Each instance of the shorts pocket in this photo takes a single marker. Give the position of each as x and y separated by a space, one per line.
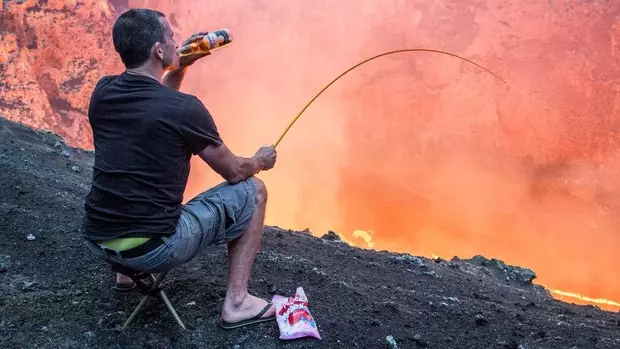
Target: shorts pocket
230 216
206 212
212 215
223 210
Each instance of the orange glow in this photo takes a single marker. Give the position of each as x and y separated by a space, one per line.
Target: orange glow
429 154
415 152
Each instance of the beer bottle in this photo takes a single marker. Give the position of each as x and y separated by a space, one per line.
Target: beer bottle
209 42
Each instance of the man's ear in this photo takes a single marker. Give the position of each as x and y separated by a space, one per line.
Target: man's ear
158 51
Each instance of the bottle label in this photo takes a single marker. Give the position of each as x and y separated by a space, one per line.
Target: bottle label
212 39
217 38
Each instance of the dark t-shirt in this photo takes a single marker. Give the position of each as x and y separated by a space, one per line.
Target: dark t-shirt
145 134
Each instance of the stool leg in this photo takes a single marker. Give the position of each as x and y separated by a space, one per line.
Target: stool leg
157 280
164 298
135 312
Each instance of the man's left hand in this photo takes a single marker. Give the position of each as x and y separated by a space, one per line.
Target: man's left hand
186 61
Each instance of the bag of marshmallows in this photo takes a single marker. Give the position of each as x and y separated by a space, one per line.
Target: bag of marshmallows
293 316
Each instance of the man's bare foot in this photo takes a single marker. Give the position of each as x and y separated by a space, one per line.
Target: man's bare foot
245 308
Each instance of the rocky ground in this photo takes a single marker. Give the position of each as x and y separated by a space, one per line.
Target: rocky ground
54 294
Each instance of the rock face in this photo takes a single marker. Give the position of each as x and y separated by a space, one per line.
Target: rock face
51 55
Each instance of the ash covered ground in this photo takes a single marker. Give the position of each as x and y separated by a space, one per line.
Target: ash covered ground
55 294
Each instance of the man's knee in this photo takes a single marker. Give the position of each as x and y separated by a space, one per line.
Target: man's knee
261 191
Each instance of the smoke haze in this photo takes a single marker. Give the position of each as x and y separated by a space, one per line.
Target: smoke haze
428 154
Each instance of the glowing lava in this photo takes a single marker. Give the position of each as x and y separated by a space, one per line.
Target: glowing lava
574 297
364 235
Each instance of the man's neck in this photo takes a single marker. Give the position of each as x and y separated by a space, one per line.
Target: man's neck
148 71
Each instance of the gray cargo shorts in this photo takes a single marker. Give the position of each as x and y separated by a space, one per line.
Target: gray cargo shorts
217 216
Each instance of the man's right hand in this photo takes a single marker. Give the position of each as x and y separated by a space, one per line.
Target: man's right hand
235 169
266 157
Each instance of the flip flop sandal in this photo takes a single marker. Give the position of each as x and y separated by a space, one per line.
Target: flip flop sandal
124 287
255 320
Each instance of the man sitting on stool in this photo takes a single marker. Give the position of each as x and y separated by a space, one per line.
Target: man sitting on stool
145 132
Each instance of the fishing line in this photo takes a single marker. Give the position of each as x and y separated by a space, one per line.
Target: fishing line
368 60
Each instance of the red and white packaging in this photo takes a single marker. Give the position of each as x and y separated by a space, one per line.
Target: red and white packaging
293 316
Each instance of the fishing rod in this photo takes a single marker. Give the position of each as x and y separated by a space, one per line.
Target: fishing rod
368 60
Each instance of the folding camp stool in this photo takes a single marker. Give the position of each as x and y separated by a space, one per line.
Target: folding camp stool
148 290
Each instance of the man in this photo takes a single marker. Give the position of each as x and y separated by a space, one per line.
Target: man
145 132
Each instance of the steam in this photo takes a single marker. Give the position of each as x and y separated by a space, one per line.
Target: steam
430 154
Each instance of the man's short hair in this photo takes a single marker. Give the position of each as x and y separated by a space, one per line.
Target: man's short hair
134 33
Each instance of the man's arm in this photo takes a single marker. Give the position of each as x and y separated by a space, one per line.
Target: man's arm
235 169
174 78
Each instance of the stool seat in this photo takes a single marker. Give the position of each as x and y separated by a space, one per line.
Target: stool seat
148 289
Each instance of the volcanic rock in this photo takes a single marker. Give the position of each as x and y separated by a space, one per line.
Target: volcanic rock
331 236
51 85
481 320
55 289
519 274
411 259
5 263
419 341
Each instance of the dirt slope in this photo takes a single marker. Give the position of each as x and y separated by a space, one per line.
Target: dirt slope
54 294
